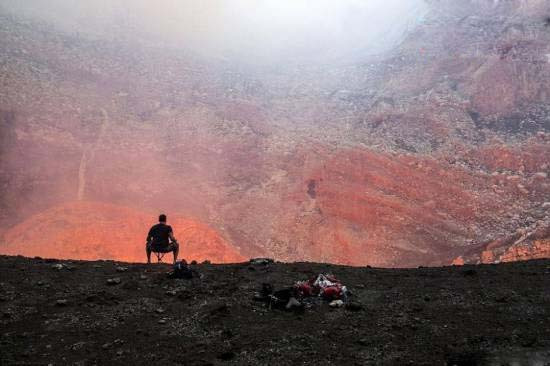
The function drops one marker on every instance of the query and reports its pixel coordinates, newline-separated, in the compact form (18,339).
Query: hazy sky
(259,29)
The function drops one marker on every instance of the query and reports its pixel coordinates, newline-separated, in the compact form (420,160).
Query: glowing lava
(91,230)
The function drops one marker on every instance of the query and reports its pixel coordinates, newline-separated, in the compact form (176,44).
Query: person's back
(160,234)
(160,239)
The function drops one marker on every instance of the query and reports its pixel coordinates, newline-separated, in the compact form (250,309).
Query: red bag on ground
(304,289)
(332,292)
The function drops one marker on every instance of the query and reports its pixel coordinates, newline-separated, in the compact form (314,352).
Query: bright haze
(381,132)
(246,30)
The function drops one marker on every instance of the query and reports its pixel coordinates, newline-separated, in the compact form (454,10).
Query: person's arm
(171,235)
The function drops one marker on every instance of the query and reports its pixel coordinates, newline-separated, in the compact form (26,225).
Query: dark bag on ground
(181,270)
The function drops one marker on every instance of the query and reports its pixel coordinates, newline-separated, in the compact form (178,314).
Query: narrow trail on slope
(82,175)
(88,154)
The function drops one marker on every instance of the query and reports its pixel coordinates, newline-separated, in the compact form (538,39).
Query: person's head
(162,218)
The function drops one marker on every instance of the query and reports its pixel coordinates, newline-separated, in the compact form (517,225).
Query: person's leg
(176,250)
(148,251)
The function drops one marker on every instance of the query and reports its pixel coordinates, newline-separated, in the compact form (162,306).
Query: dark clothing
(159,235)
(159,248)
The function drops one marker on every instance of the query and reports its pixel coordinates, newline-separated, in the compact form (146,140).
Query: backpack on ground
(181,270)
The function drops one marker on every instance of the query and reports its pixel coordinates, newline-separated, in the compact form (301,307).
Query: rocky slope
(526,243)
(59,312)
(417,156)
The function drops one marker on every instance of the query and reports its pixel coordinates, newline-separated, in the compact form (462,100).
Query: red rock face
(537,250)
(525,158)
(521,246)
(91,231)
(358,207)
(404,206)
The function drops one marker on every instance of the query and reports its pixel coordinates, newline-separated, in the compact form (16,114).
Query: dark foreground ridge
(110,313)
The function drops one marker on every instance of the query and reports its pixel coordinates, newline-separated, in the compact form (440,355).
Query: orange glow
(91,231)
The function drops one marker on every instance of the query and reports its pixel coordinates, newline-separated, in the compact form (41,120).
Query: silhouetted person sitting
(161,240)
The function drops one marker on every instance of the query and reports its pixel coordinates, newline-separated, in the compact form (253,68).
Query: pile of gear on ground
(305,294)
(325,288)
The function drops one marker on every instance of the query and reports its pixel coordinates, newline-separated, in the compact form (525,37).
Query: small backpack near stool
(181,270)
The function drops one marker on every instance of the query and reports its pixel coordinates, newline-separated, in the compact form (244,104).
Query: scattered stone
(61,302)
(522,189)
(121,269)
(293,303)
(336,304)
(143,277)
(160,310)
(58,266)
(171,292)
(512,327)
(77,346)
(259,297)
(113,281)
(261,261)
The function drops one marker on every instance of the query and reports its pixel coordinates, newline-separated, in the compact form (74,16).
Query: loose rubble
(428,316)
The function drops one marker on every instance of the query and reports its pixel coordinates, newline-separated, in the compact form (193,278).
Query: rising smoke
(245,30)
